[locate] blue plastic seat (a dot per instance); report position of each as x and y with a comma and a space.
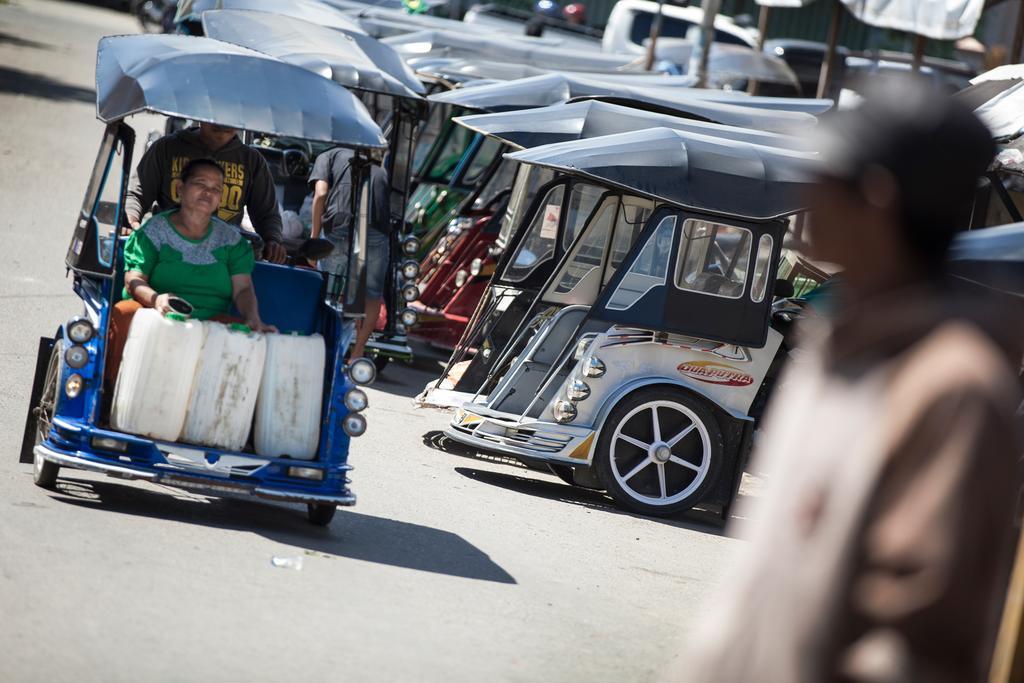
289, 297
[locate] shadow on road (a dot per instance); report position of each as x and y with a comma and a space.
352, 535
695, 520
18, 41
18, 82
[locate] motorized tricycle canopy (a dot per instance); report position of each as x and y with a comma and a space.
207, 80
702, 172
352, 59
538, 91
527, 128
519, 49
308, 10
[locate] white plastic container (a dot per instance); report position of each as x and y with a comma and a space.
156, 375
291, 393
223, 399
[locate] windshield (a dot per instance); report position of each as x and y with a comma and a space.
633, 214
482, 159
539, 244
581, 272
499, 182
528, 179
581, 203
649, 270
428, 135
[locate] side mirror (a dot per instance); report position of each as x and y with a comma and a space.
784, 289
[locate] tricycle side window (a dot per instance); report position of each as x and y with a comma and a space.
713, 258
93, 246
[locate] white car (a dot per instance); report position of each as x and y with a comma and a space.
629, 25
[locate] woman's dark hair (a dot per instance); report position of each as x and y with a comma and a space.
194, 165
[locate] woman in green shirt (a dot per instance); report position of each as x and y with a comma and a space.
190, 254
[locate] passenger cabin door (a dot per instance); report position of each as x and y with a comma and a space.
699, 276
93, 248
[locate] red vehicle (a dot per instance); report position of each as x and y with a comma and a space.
454, 274
452, 294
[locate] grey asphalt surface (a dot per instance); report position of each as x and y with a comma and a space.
450, 568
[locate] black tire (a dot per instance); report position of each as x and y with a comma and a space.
571, 476
381, 361
654, 481
563, 472
44, 472
320, 514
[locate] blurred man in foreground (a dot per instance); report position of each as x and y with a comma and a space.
882, 548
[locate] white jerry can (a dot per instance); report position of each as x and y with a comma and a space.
156, 375
227, 382
291, 395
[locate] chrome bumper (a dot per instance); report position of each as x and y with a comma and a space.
534, 440
186, 481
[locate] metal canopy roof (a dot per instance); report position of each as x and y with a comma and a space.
307, 10
522, 50
694, 171
541, 91
459, 69
527, 128
328, 52
207, 80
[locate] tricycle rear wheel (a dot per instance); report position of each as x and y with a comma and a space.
44, 472
320, 514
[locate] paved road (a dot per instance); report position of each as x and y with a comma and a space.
449, 569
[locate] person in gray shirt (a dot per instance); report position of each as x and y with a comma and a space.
248, 183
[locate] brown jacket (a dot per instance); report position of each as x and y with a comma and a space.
881, 550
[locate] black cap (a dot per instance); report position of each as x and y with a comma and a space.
934, 146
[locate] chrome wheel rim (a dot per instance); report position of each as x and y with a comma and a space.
660, 453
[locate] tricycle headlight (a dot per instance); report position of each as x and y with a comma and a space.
362, 371
475, 266
593, 367
409, 317
80, 330
410, 269
73, 385
76, 356
564, 411
356, 400
410, 292
354, 424
578, 390
410, 245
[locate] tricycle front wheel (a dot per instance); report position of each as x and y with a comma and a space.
320, 514
44, 472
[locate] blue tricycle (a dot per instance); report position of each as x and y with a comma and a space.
246, 90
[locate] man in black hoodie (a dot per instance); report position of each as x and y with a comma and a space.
247, 181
